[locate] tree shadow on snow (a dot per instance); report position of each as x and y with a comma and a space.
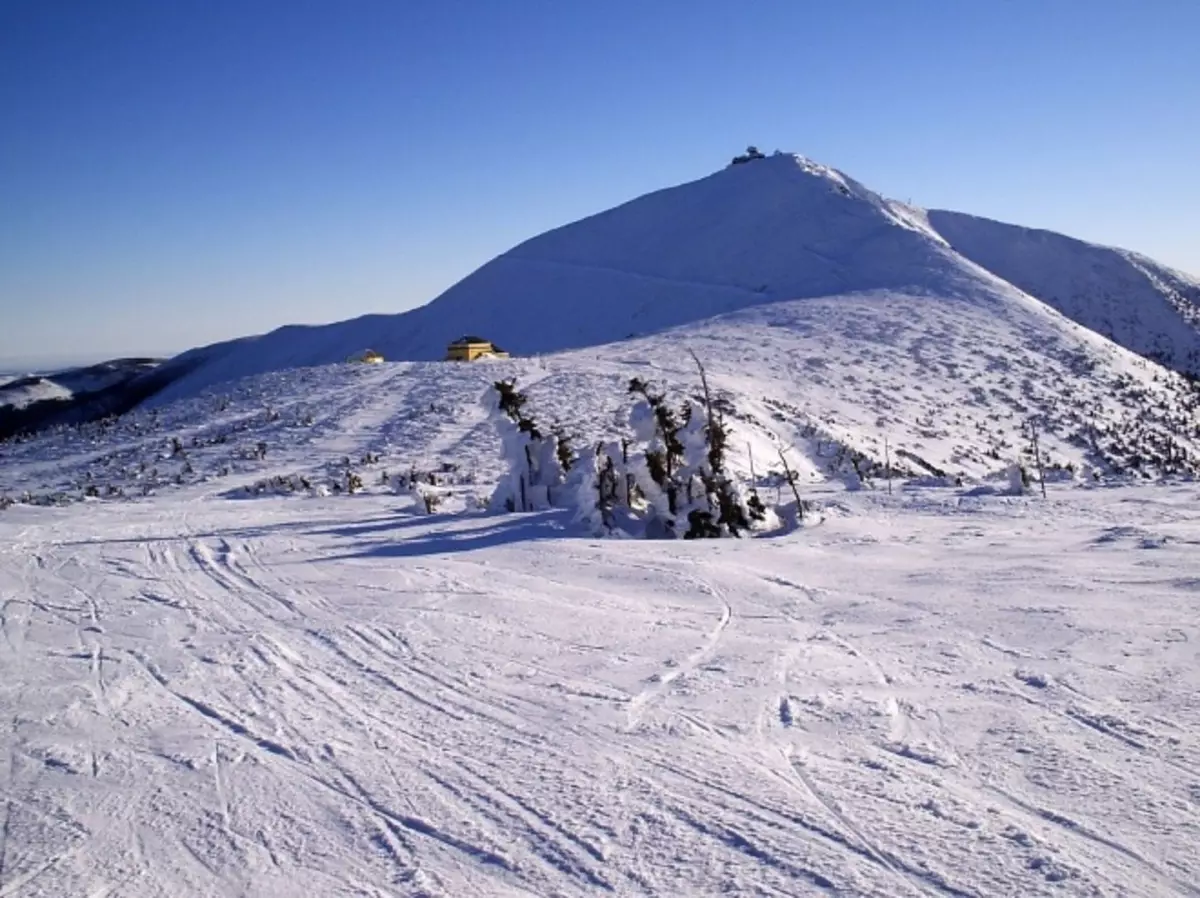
495, 531
393, 523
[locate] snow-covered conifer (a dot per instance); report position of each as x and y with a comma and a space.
535, 475
593, 490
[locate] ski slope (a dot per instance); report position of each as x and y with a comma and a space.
209, 689
931, 694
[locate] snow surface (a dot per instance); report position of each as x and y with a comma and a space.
938, 692
777, 229
926, 695
1142, 305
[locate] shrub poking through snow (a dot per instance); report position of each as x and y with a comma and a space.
431, 500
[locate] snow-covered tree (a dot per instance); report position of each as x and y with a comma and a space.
680, 471
670, 480
654, 465
535, 475
718, 504
593, 490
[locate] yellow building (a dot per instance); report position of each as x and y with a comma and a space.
468, 349
366, 357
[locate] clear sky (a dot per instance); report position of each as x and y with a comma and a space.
174, 173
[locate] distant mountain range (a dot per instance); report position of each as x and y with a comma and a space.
33, 402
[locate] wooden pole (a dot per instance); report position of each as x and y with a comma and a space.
887, 462
791, 479
1037, 455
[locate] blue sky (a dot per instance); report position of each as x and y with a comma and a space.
177, 173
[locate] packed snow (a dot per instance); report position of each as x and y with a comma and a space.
928, 694
220, 681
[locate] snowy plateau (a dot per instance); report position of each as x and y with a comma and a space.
224, 672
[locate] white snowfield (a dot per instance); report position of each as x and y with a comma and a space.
927, 695
942, 692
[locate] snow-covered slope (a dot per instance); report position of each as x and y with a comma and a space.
776, 229
1133, 300
932, 694
780, 228
939, 387
20, 392
35, 402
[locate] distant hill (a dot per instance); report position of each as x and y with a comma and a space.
34, 402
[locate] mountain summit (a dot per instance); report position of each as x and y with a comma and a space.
776, 228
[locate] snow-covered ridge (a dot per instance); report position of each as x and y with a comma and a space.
777, 228
19, 391
1127, 297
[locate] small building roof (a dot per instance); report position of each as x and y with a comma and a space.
464, 340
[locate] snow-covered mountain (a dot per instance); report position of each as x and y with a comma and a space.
242, 657
1140, 304
775, 229
782, 228
33, 402
835, 320
20, 391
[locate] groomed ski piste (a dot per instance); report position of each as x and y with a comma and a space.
209, 688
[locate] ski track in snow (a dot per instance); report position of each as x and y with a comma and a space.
335, 697
933, 693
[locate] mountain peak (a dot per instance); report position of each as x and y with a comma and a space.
766, 228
